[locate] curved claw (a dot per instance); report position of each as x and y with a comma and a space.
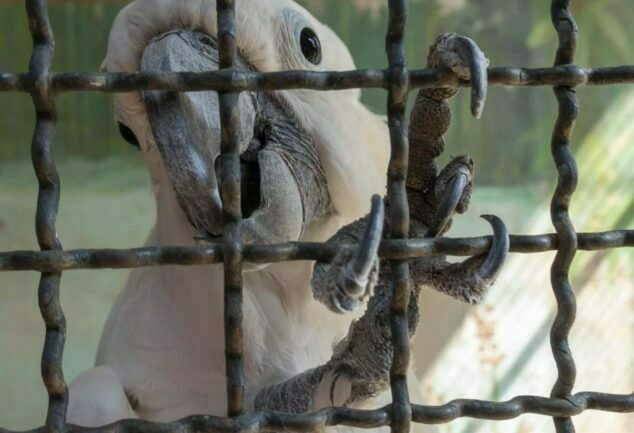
447, 207
478, 71
498, 251
353, 278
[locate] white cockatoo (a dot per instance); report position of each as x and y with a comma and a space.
311, 162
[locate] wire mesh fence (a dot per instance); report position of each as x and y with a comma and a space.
44, 85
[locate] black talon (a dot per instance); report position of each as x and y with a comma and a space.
447, 207
477, 69
498, 251
354, 276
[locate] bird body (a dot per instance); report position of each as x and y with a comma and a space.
311, 163
163, 344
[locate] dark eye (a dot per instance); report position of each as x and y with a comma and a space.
128, 135
311, 48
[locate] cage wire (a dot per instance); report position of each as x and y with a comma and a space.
44, 85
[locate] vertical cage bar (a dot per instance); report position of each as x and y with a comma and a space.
398, 211
232, 214
46, 213
566, 235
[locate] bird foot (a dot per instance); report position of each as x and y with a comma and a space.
351, 278
453, 192
465, 59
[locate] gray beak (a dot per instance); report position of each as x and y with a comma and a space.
186, 128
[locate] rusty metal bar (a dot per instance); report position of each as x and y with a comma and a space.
568, 103
398, 211
46, 213
565, 75
317, 421
232, 213
53, 261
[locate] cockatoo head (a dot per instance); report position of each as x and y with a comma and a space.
310, 159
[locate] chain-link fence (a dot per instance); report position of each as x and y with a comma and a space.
564, 76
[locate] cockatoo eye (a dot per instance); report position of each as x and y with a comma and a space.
310, 45
128, 135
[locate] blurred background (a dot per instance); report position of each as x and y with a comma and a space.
492, 351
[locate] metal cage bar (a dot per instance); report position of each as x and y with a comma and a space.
564, 76
232, 213
566, 165
397, 80
52, 261
47, 206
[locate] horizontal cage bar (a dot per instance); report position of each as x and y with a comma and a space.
48, 261
284, 422
229, 80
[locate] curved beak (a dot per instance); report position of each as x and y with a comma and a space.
189, 160
186, 128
